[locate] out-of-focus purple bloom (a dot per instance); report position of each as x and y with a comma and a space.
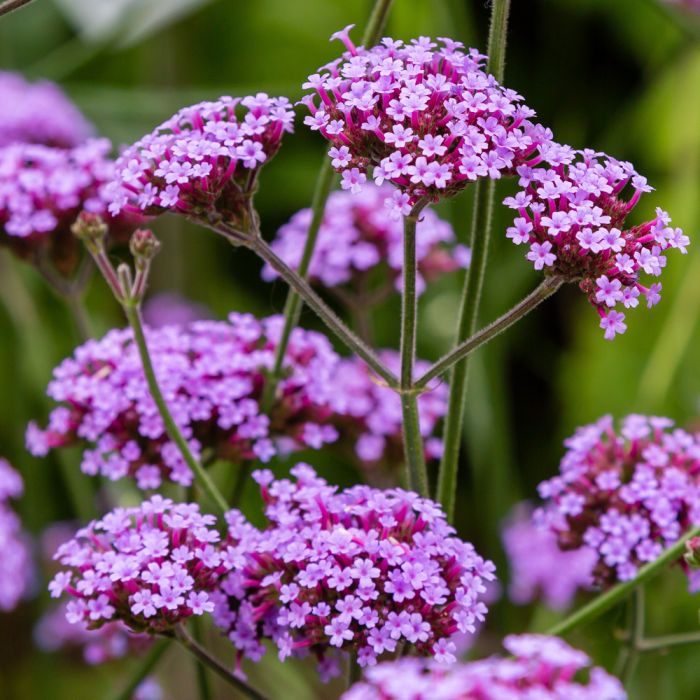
203, 162
16, 566
625, 494
39, 113
572, 216
540, 667
212, 374
359, 570
172, 309
688, 5
360, 235
149, 567
423, 116
539, 568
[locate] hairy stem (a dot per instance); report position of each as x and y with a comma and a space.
215, 665
133, 315
148, 663
612, 597
668, 641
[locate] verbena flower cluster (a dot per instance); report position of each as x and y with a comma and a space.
212, 375
423, 115
541, 668
360, 236
204, 159
39, 113
360, 570
625, 494
16, 568
369, 414
539, 568
150, 567
572, 214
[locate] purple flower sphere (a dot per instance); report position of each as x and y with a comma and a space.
359, 236
539, 568
626, 494
203, 162
149, 567
39, 113
540, 668
572, 215
360, 570
424, 116
212, 374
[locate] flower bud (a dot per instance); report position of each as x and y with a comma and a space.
143, 246
91, 229
692, 552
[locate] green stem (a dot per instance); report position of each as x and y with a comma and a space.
203, 655
671, 640
200, 669
148, 663
414, 452
630, 652
610, 598
133, 314
12, 5
544, 290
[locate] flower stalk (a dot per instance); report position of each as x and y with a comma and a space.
148, 663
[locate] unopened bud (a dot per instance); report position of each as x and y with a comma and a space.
91, 229
144, 246
692, 552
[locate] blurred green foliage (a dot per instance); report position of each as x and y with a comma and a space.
620, 76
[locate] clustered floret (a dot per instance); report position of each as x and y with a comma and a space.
539, 568
204, 159
626, 495
16, 568
150, 567
212, 374
424, 116
541, 668
572, 215
369, 415
361, 570
39, 113
359, 236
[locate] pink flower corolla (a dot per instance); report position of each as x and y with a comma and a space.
42, 191
203, 162
625, 494
423, 116
16, 566
540, 667
369, 417
360, 570
150, 567
359, 236
572, 217
40, 113
538, 567
212, 374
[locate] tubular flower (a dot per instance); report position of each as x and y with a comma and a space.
369, 415
204, 161
39, 113
360, 235
424, 116
572, 215
539, 567
541, 668
149, 567
359, 570
626, 495
212, 374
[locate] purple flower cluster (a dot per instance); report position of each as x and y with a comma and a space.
369, 414
572, 216
361, 234
626, 495
424, 115
149, 567
202, 160
39, 113
16, 568
538, 567
541, 668
172, 309
360, 570
212, 374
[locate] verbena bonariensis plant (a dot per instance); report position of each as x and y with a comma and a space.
361, 570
